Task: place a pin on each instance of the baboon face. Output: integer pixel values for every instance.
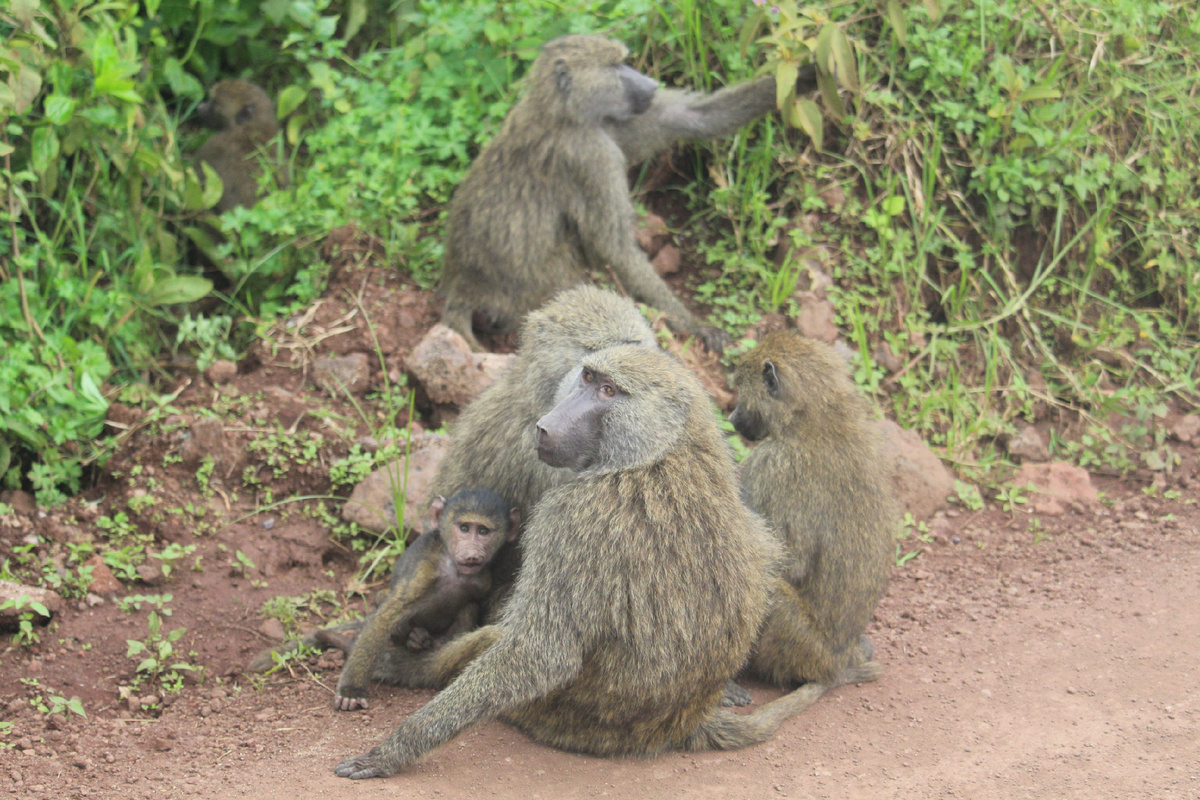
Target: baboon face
(594, 82)
(780, 379)
(569, 436)
(233, 102)
(474, 525)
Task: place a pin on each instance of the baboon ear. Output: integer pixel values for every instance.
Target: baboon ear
(245, 114)
(771, 378)
(562, 76)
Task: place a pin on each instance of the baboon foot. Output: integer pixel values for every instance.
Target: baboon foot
(359, 767)
(736, 695)
(419, 639)
(866, 648)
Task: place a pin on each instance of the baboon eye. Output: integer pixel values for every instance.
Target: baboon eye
(608, 390)
(465, 527)
(771, 378)
(588, 377)
(484, 530)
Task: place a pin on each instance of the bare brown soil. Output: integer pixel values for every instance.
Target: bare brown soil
(1055, 659)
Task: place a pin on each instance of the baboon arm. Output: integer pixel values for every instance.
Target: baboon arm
(677, 115)
(606, 229)
(514, 670)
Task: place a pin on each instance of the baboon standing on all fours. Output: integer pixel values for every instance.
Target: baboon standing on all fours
(818, 478)
(243, 117)
(642, 588)
(549, 195)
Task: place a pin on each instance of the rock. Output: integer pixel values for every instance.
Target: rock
(652, 234)
(450, 372)
(372, 503)
(22, 502)
(340, 374)
(272, 629)
(221, 371)
(104, 583)
(814, 318)
(1053, 487)
(1187, 429)
(151, 574)
(834, 196)
(10, 617)
(666, 262)
(919, 480)
(1028, 445)
(207, 439)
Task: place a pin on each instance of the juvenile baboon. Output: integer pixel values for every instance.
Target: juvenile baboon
(548, 196)
(494, 444)
(643, 585)
(818, 479)
(436, 586)
(243, 117)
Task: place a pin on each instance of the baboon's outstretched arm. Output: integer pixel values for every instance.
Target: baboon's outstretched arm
(512, 671)
(676, 115)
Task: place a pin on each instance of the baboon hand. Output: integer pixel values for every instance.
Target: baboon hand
(419, 639)
(714, 339)
(350, 699)
(368, 765)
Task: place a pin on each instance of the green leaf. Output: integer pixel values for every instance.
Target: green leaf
(844, 62)
(829, 93)
(289, 99)
(59, 109)
(179, 289)
(43, 149)
(807, 117)
(25, 86)
(356, 16)
(785, 82)
(1038, 92)
(896, 16)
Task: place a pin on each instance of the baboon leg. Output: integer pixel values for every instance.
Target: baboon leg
(435, 668)
(459, 318)
(791, 649)
(334, 636)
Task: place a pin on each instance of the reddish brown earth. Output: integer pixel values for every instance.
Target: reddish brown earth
(1059, 663)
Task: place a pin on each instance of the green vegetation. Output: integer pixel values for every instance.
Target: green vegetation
(1002, 192)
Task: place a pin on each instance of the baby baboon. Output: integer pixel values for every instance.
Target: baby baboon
(243, 117)
(819, 480)
(549, 195)
(436, 586)
(642, 588)
(494, 444)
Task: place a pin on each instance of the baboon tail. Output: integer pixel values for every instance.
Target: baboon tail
(725, 730)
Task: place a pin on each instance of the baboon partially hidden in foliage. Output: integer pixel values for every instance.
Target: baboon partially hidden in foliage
(436, 586)
(642, 588)
(243, 117)
(818, 479)
(548, 197)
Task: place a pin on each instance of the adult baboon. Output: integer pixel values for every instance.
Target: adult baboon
(642, 588)
(243, 117)
(436, 586)
(494, 444)
(819, 480)
(548, 196)
(494, 440)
